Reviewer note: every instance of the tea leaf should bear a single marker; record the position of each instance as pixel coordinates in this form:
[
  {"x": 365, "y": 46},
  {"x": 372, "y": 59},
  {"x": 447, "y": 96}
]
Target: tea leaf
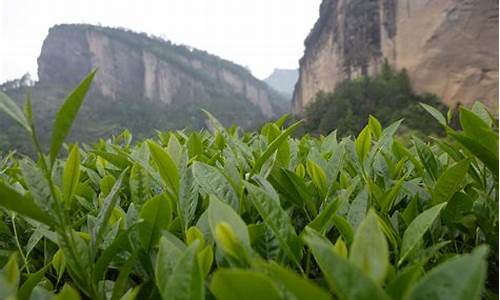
[
  {"x": 450, "y": 182},
  {"x": 369, "y": 250},
  {"x": 156, "y": 213},
  {"x": 67, "y": 114},
  {"x": 417, "y": 228},
  {"x": 12, "y": 200},
  {"x": 277, "y": 220},
  {"x": 212, "y": 181},
  {"x": 166, "y": 166},
  {"x": 239, "y": 284},
  {"x": 259, "y": 162},
  {"x": 186, "y": 281},
  {"x": 460, "y": 278},
  {"x": 10, "y": 108},
  {"x": 71, "y": 175},
  {"x": 344, "y": 278}
]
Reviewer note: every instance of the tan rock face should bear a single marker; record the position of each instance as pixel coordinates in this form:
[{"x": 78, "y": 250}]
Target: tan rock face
[
  {"x": 449, "y": 47},
  {"x": 134, "y": 66}
]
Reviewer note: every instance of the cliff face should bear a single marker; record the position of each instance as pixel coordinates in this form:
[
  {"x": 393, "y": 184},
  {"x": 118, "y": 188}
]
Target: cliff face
[
  {"x": 138, "y": 66},
  {"x": 449, "y": 47}
]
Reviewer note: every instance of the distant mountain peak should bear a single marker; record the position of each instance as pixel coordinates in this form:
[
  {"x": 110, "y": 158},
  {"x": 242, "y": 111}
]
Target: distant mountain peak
[{"x": 283, "y": 80}]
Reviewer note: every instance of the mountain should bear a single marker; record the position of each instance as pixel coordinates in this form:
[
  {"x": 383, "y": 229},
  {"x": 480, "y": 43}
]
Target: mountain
[
  {"x": 448, "y": 47},
  {"x": 283, "y": 80},
  {"x": 143, "y": 83}
]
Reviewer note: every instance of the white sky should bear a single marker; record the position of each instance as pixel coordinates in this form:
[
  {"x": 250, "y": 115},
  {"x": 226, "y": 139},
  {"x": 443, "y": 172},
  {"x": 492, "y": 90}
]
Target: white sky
[{"x": 259, "y": 34}]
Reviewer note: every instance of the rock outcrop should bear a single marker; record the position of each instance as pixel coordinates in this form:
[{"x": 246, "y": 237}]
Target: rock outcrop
[
  {"x": 135, "y": 65},
  {"x": 448, "y": 47}
]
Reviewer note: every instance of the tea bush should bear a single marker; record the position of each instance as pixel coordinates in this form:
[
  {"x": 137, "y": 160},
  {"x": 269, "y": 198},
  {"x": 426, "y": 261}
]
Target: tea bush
[{"x": 222, "y": 214}]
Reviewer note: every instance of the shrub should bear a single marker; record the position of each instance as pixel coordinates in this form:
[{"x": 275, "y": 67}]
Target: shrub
[
  {"x": 388, "y": 96},
  {"x": 258, "y": 215}
]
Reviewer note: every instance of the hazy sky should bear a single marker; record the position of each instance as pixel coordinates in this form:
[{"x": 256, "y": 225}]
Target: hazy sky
[{"x": 259, "y": 34}]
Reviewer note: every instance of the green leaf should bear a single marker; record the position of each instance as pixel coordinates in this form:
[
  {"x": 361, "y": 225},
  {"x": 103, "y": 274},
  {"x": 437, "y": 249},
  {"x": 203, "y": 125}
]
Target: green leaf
[
  {"x": 482, "y": 111},
  {"x": 188, "y": 197},
  {"x": 239, "y": 284},
  {"x": 344, "y": 228},
  {"x": 474, "y": 127},
  {"x": 13, "y": 201},
  {"x": 40, "y": 189},
  {"x": 71, "y": 175},
  {"x": 344, "y": 278},
  {"x": 489, "y": 158},
  {"x": 138, "y": 184},
  {"x": 416, "y": 230},
  {"x": 459, "y": 205},
  {"x": 118, "y": 160},
  {"x": 369, "y": 250},
  {"x": 11, "y": 271},
  {"x": 121, "y": 281},
  {"x": 391, "y": 195},
  {"x": 156, "y": 214},
  {"x": 186, "y": 281},
  {"x": 67, "y": 293},
  {"x": 118, "y": 245},
  {"x": 101, "y": 223},
  {"x": 77, "y": 254},
  {"x": 166, "y": 166},
  {"x": 277, "y": 220},
  {"x": 194, "y": 145},
  {"x": 435, "y": 113},
  {"x": 324, "y": 219},
  {"x": 219, "y": 212},
  {"x": 272, "y": 131},
  {"x": 10, "y": 108},
  {"x": 363, "y": 143},
  {"x": 357, "y": 209},
  {"x": 299, "y": 287},
  {"x": 460, "y": 278},
  {"x": 211, "y": 181},
  {"x": 294, "y": 189},
  {"x": 403, "y": 283},
  {"x": 174, "y": 148},
  {"x": 169, "y": 254},
  {"x": 472, "y": 124},
  {"x": 450, "y": 182},
  {"x": 375, "y": 126},
  {"x": 427, "y": 158},
  {"x": 259, "y": 162},
  {"x": 318, "y": 177},
  {"x": 59, "y": 263},
  {"x": 27, "y": 287},
  {"x": 67, "y": 114}
]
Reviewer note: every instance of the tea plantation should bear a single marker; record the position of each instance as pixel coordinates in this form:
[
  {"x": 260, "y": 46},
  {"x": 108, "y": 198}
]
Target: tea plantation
[{"x": 225, "y": 214}]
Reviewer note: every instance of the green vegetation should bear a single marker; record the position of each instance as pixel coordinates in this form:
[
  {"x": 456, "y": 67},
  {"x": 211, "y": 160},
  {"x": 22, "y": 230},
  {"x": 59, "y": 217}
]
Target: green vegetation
[
  {"x": 101, "y": 117},
  {"x": 388, "y": 96},
  {"x": 258, "y": 215}
]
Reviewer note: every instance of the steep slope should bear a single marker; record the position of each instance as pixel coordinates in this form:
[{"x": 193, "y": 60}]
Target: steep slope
[
  {"x": 132, "y": 64},
  {"x": 283, "y": 80},
  {"x": 143, "y": 83},
  {"x": 449, "y": 47}
]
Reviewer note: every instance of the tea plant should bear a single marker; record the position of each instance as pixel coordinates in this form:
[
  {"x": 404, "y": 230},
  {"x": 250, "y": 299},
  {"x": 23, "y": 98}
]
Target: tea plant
[{"x": 230, "y": 215}]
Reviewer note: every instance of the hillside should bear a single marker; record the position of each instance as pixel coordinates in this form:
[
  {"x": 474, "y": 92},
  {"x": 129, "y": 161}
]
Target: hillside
[
  {"x": 143, "y": 83},
  {"x": 448, "y": 47}
]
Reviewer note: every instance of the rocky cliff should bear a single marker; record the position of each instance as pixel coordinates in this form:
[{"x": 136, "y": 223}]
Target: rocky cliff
[
  {"x": 448, "y": 47},
  {"x": 138, "y": 66}
]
